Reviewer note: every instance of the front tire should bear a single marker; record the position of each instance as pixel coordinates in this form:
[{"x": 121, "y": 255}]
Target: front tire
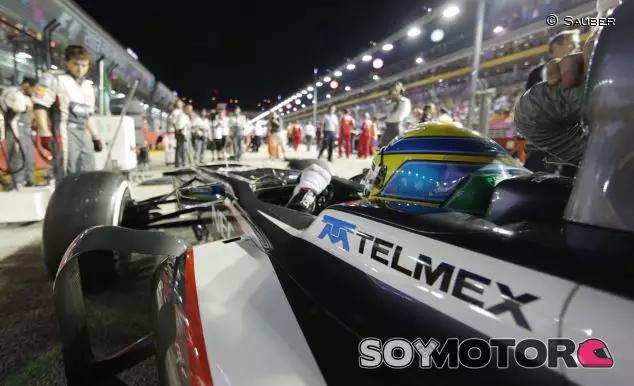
[{"x": 80, "y": 202}]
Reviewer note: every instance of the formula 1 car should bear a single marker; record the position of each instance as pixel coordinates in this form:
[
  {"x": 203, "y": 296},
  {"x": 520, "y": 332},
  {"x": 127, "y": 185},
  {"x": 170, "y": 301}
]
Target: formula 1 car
[
  {"x": 255, "y": 293},
  {"x": 537, "y": 290}
]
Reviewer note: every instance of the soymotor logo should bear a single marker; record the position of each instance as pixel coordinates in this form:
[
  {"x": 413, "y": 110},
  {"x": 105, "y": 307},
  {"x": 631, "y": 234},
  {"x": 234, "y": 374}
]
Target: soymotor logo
[{"x": 475, "y": 353}]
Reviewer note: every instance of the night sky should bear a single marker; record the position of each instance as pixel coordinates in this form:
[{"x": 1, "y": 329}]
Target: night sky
[{"x": 247, "y": 49}]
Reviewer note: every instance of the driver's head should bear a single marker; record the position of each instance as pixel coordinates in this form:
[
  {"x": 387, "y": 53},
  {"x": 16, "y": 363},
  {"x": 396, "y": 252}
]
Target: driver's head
[
  {"x": 564, "y": 43},
  {"x": 415, "y": 172},
  {"x": 77, "y": 61}
]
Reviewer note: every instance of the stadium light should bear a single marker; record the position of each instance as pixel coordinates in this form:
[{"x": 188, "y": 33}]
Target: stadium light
[
  {"x": 347, "y": 88},
  {"x": 366, "y": 58},
  {"x": 376, "y": 77},
  {"x": 498, "y": 29},
  {"x": 298, "y": 95},
  {"x": 304, "y": 92},
  {"x": 327, "y": 79},
  {"x": 294, "y": 108},
  {"x": 334, "y": 84},
  {"x": 328, "y": 96},
  {"x": 437, "y": 35},
  {"x": 419, "y": 60},
  {"x": 387, "y": 47},
  {"x": 319, "y": 84},
  {"x": 338, "y": 73},
  {"x": 450, "y": 12},
  {"x": 413, "y": 32},
  {"x": 351, "y": 67},
  {"x": 377, "y": 63},
  {"x": 298, "y": 102},
  {"x": 310, "y": 88},
  {"x": 309, "y": 96},
  {"x": 303, "y": 106}
]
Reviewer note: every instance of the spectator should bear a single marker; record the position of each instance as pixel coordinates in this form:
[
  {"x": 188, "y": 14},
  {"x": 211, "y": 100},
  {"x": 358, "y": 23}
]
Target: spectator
[
  {"x": 429, "y": 110},
  {"x": 444, "y": 116}
]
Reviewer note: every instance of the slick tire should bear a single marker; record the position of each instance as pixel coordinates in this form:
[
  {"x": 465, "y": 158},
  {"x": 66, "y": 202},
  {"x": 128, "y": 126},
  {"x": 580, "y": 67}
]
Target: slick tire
[{"x": 80, "y": 202}]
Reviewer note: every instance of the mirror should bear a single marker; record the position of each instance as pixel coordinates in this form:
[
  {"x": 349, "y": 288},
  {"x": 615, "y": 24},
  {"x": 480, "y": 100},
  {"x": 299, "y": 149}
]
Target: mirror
[{"x": 202, "y": 195}]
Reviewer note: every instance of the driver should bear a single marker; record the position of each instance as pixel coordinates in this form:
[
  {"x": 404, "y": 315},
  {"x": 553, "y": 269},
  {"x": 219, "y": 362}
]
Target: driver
[
  {"x": 435, "y": 166},
  {"x": 312, "y": 192},
  {"x": 439, "y": 166}
]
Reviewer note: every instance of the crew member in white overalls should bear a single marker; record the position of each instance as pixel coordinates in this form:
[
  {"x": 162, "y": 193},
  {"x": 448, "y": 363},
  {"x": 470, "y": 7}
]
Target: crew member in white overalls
[
  {"x": 180, "y": 124},
  {"x": 68, "y": 99},
  {"x": 17, "y": 109}
]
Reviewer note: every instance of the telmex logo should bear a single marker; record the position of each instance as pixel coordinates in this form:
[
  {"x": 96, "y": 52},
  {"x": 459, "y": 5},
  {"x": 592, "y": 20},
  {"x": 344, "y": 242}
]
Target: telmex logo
[
  {"x": 337, "y": 231},
  {"x": 428, "y": 271},
  {"x": 475, "y": 353}
]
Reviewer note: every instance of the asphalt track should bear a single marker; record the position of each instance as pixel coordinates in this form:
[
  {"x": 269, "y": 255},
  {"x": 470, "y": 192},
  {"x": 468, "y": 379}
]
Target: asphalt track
[{"x": 29, "y": 350}]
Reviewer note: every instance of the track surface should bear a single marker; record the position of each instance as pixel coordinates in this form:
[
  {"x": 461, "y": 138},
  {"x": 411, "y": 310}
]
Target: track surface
[{"x": 29, "y": 349}]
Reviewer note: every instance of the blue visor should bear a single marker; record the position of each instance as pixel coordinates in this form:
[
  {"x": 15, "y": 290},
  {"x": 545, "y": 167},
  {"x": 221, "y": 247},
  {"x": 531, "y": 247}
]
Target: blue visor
[{"x": 427, "y": 180}]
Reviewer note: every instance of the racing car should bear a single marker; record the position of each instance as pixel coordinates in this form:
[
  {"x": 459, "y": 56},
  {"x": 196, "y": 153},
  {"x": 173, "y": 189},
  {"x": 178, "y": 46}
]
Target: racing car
[{"x": 247, "y": 291}]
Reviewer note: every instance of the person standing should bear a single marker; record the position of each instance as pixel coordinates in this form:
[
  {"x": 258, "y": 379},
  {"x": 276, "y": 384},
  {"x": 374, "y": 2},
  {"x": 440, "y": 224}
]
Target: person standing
[
  {"x": 309, "y": 134},
  {"x": 200, "y": 128},
  {"x": 217, "y": 128},
  {"x": 400, "y": 108},
  {"x": 68, "y": 98},
  {"x": 560, "y": 45},
  {"x": 259, "y": 133},
  {"x": 180, "y": 123},
  {"x": 329, "y": 128},
  {"x": 296, "y": 133},
  {"x": 237, "y": 127},
  {"x": 365, "y": 138},
  {"x": 276, "y": 136},
  {"x": 374, "y": 136},
  {"x": 345, "y": 133},
  {"x": 17, "y": 109}
]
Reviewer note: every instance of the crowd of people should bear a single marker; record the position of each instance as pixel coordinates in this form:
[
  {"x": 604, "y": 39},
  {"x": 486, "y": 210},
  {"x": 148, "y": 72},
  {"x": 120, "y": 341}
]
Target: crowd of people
[
  {"x": 210, "y": 135},
  {"x": 230, "y": 134}
]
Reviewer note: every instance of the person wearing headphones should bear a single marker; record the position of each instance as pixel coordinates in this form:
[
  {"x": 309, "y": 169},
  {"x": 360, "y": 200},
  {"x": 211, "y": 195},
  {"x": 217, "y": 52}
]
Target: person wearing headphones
[
  {"x": 550, "y": 113},
  {"x": 68, "y": 99},
  {"x": 399, "y": 109}
]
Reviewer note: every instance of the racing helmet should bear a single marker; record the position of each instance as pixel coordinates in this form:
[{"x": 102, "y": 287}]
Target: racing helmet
[{"x": 439, "y": 166}]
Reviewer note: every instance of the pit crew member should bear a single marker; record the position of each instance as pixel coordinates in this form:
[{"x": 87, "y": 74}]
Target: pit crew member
[
  {"x": 17, "y": 109},
  {"x": 68, "y": 99}
]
